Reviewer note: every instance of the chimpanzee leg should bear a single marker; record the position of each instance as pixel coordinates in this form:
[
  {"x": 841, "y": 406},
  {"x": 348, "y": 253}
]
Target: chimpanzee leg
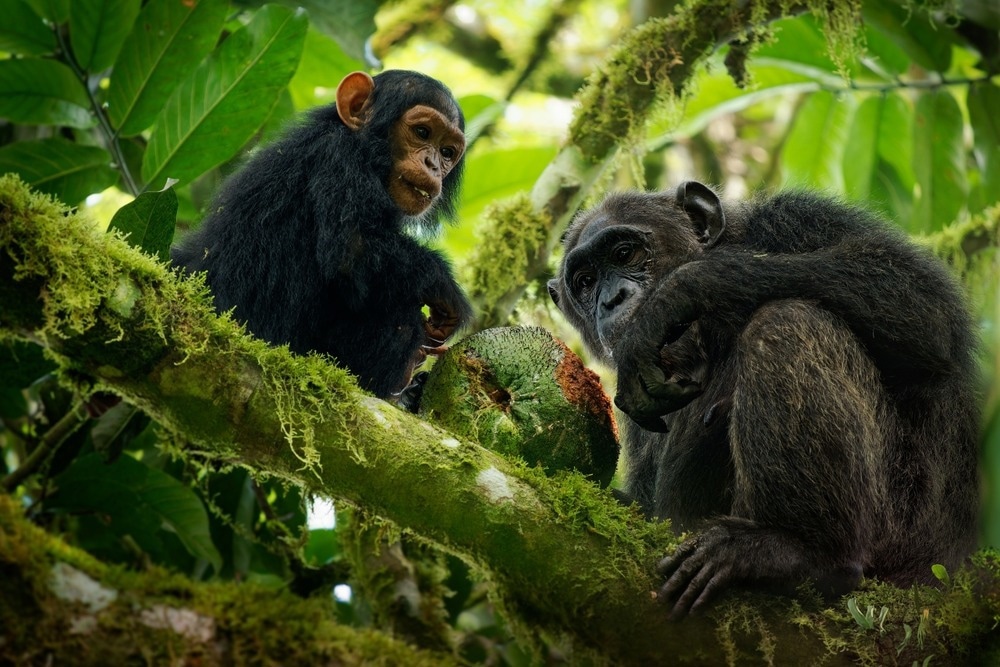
[{"x": 808, "y": 425}]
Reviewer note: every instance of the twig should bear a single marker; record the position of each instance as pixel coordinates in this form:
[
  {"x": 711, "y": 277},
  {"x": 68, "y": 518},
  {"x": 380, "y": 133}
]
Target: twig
[{"x": 48, "y": 443}]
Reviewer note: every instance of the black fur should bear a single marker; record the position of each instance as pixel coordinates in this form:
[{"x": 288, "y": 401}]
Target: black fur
[
  {"x": 819, "y": 418},
  {"x": 307, "y": 246}
]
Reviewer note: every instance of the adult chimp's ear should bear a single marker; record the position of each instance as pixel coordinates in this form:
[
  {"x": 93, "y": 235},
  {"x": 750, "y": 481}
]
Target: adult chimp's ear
[
  {"x": 705, "y": 210},
  {"x": 553, "y": 286},
  {"x": 352, "y": 93}
]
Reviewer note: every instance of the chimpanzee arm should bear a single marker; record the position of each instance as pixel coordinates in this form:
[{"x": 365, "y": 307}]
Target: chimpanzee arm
[
  {"x": 407, "y": 275},
  {"x": 901, "y": 305}
]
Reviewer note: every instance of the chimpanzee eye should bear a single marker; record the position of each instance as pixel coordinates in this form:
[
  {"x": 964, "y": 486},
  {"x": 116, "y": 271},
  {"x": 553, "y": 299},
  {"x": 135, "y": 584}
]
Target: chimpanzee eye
[
  {"x": 448, "y": 153},
  {"x": 582, "y": 281},
  {"x": 422, "y": 131},
  {"x": 623, "y": 253}
]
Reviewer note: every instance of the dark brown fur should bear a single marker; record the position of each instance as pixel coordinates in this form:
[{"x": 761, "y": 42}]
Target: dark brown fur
[{"x": 816, "y": 422}]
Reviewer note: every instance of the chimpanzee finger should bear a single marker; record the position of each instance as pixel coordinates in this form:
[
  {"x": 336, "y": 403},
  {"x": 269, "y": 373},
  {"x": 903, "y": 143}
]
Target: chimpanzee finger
[
  {"x": 714, "y": 586},
  {"x": 682, "y": 576},
  {"x": 668, "y": 565},
  {"x": 692, "y": 593}
]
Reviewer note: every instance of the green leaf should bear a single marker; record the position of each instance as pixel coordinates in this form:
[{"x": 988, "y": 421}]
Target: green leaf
[
  {"x": 813, "y": 151},
  {"x": 168, "y": 38},
  {"x": 882, "y": 55},
  {"x": 23, "y": 32},
  {"x": 910, "y": 29},
  {"x": 895, "y": 137},
  {"x": 322, "y": 547},
  {"x": 718, "y": 95},
  {"x": 60, "y": 167},
  {"x": 861, "y": 149},
  {"x": 496, "y": 174},
  {"x": 480, "y": 112},
  {"x": 941, "y": 573},
  {"x": 148, "y": 221},
  {"x": 138, "y": 501},
  {"x": 21, "y": 364},
  {"x": 984, "y": 116},
  {"x": 56, "y": 11},
  {"x": 226, "y": 100},
  {"x": 42, "y": 92},
  {"x": 861, "y": 619},
  {"x": 939, "y": 162},
  {"x": 349, "y": 22},
  {"x": 880, "y": 135},
  {"x": 97, "y": 29},
  {"x": 321, "y": 68},
  {"x": 799, "y": 40}
]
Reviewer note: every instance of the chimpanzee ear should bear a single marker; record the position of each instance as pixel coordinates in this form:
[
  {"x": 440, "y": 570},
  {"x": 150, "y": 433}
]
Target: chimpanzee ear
[
  {"x": 352, "y": 93},
  {"x": 553, "y": 286},
  {"x": 704, "y": 208}
]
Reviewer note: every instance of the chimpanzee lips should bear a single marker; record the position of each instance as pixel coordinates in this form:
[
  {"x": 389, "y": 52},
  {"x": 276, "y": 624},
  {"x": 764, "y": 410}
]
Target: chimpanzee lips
[{"x": 419, "y": 190}]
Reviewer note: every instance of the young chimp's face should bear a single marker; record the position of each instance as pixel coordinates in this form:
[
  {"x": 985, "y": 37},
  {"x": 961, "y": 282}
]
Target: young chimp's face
[{"x": 426, "y": 146}]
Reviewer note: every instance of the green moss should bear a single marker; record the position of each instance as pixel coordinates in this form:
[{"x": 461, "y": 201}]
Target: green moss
[
  {"x": 970, "y": 247},
  {"x": 163, "y": 618},
  {"x": 511, "y": 236}
]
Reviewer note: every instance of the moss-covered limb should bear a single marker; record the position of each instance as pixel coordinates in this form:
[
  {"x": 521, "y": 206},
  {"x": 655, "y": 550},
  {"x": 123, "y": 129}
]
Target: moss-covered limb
[
  {"x": 564, "y": 557},
  {"x": 59, "y": 606}
]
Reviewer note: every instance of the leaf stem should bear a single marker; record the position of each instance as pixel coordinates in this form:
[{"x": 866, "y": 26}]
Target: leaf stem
[
  {"x": 48, "y": 443},
  {"x": 110, "y": 135}
]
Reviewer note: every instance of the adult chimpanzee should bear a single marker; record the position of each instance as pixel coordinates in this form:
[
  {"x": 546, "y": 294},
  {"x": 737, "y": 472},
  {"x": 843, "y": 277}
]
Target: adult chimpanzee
[
  {"x": 804, "y": 381},
  {"x": 307, "y": 242}
]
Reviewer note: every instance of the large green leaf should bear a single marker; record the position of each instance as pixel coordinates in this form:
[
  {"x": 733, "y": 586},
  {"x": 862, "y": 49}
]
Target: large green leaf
[
  {"x": 491, "y": 175},
  {"x": 97, "y": 29},
  {"x": 480, "y": 111},
  {"x": 799, "y": 40},
  {"x": 138, "y": 501},
  {"x": 984, "y": 116},
  {"x": 939, "y": 161},
  {"x": 227, "y": 98},
  {"x": 895, "y": 137},
  {"x": 717, "y": 95},
  {"x": 42, "y": 92},
  {"x": 880, "y": 136},
  {"x": 322, "y": 67},
  {"x": 168, "y": 40},
  {"x": 909, "y": 28},
  {"x": 349, "y": 22},
  {"x": 149, "y": 221},
  {"x": 60, "y": 167},
  {"x": 23, "y": 32},
  {"x": 813, "y": 151},
  {"x": 861, "y": 149},
  {"x": 56, "y": 11}
]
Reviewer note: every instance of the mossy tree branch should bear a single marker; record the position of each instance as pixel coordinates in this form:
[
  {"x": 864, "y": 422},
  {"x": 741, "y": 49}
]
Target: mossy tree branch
[{"x": 563, "y": 556}]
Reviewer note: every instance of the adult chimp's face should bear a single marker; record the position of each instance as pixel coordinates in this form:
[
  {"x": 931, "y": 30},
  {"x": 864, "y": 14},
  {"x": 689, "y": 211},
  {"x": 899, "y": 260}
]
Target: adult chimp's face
[
  {"x": 603, "y": 278},
  {"x": 620, "y": 250}
]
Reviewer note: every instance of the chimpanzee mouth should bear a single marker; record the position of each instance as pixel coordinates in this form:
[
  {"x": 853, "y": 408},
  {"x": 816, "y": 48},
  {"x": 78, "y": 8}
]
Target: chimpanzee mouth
[{"x": 423, "y": 193}]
